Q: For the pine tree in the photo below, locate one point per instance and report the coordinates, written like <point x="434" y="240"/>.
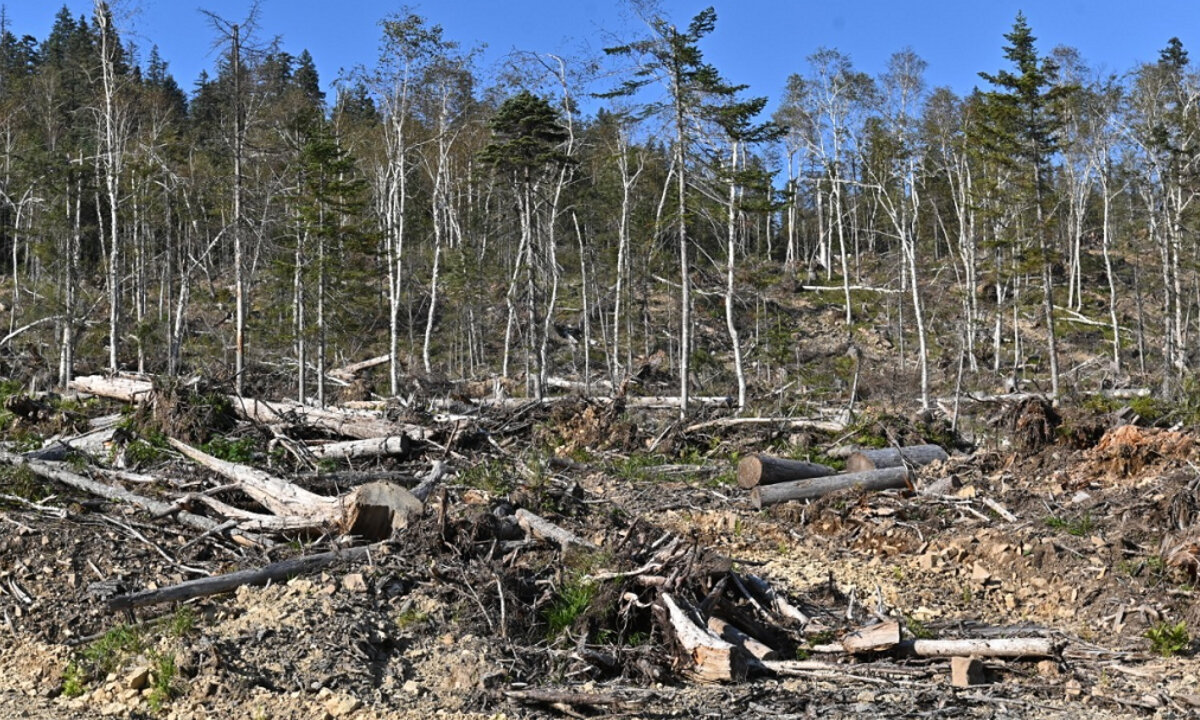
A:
<point x="1022" y="123"/>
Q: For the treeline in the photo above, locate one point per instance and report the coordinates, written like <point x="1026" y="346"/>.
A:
<point x="255" y="228"/>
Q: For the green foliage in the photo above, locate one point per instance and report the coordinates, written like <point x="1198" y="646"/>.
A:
<point x="105" y="654"/>
<point x="1168" y="639"/>
<point x="573" y="600"/>
<point x="635" y="467"/>
<point x="181" y="623"/>
<point x="1078" y="527"/>
<point x="74" y="680"/>
<point x="240" y="450"/>
<point x="22" y="482"/>
<point x="410" y="618"/>
<point x="492" y="476"/>
<point x="163" y="674"/>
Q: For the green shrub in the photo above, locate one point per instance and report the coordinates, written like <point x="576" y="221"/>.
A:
<point x="1167" y="639"/>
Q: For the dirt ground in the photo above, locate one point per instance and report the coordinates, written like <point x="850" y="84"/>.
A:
<point x="1082" y="530"/>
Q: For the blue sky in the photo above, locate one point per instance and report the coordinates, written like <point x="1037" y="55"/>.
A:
<point x="757" y="42"/>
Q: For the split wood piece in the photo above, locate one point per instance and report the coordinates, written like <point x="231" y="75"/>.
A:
<point x="772" y="599"/>
<point x="886" y="479"/>
<point x="119" y="494"/>
<point x="203" y="587"/>
<point x="543" y="529"/>
<point x="711" y="659"/>
<point x="967" y="671"/>
<point x="394" y="446"/>
<point x="760" y="469"/>
<point x="873" y="638"/>
<point x="348" y="372"/>
<point x="731" y="634"/>
<point x="914" y="455"/>
<point x="996" y="648"/>
<point x="830" y="426"/>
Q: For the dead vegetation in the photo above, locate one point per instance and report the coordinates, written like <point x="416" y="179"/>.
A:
<point x="582" y="558"/>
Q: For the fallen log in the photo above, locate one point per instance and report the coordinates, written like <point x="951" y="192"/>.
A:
<point x="275" y="494"/>
<point x="348" y="372"/>
<point x="94" y="443"/>
<point x="394" y="446"/>
<point x="772" y="599"/>
<point x="118" y="494"/>
<point x="886" y="479"/>
<point x="543" y="529"/>
<point x="760" y="469"/>
<point x="351" y="423"/>
<point x="996" y="648"/>
<point x="216" y="584"/>
<point x="914" y="455"/>
<point x="374" y="510"/>
<point x="711" y="659"/>
<point x="831" y="426"/>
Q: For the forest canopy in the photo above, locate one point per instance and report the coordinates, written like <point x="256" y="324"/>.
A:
<point x="656" y="224"/>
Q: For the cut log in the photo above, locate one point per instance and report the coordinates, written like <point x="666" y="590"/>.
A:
<point x="873" y="638"/>
<point x="915" y="455"/>
<point x="710" y="659"/>
<point x="395" y="446"/>
<point x="377" y="510"/>
<point x="733" y="635"/>
<point x="760" y="469"/>
<point x="997" y="648"/>
<point x="203" y="587"/>
<point x="543" y="529"/>
<point x="886" y="479"/>
<point x="373" y="511"/>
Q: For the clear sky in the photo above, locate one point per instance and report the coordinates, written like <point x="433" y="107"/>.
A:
<point x="757" y="42"/>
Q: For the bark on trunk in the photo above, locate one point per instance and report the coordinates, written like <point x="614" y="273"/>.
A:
<point x="886" y="479"/>
<point x="915" y="455"/>
<point x="760" y="469"/>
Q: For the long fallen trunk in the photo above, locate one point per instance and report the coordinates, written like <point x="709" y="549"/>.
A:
<point x="118" y="494"/>
<point x="914" y="455"/>
<point x="202" y="587"/>
<point x="886" y="479"/>
<point x="760" y="469"/>
<point x="275" y="494"/>
<point x="349" y="372"/>
<point x="831" y="426"/>
<point x="374" y="510"/>
<point x="997" y="648"/>
<point x="351" y="423"/>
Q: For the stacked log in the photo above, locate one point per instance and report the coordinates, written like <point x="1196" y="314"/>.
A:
<point x="774" y="480"/>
